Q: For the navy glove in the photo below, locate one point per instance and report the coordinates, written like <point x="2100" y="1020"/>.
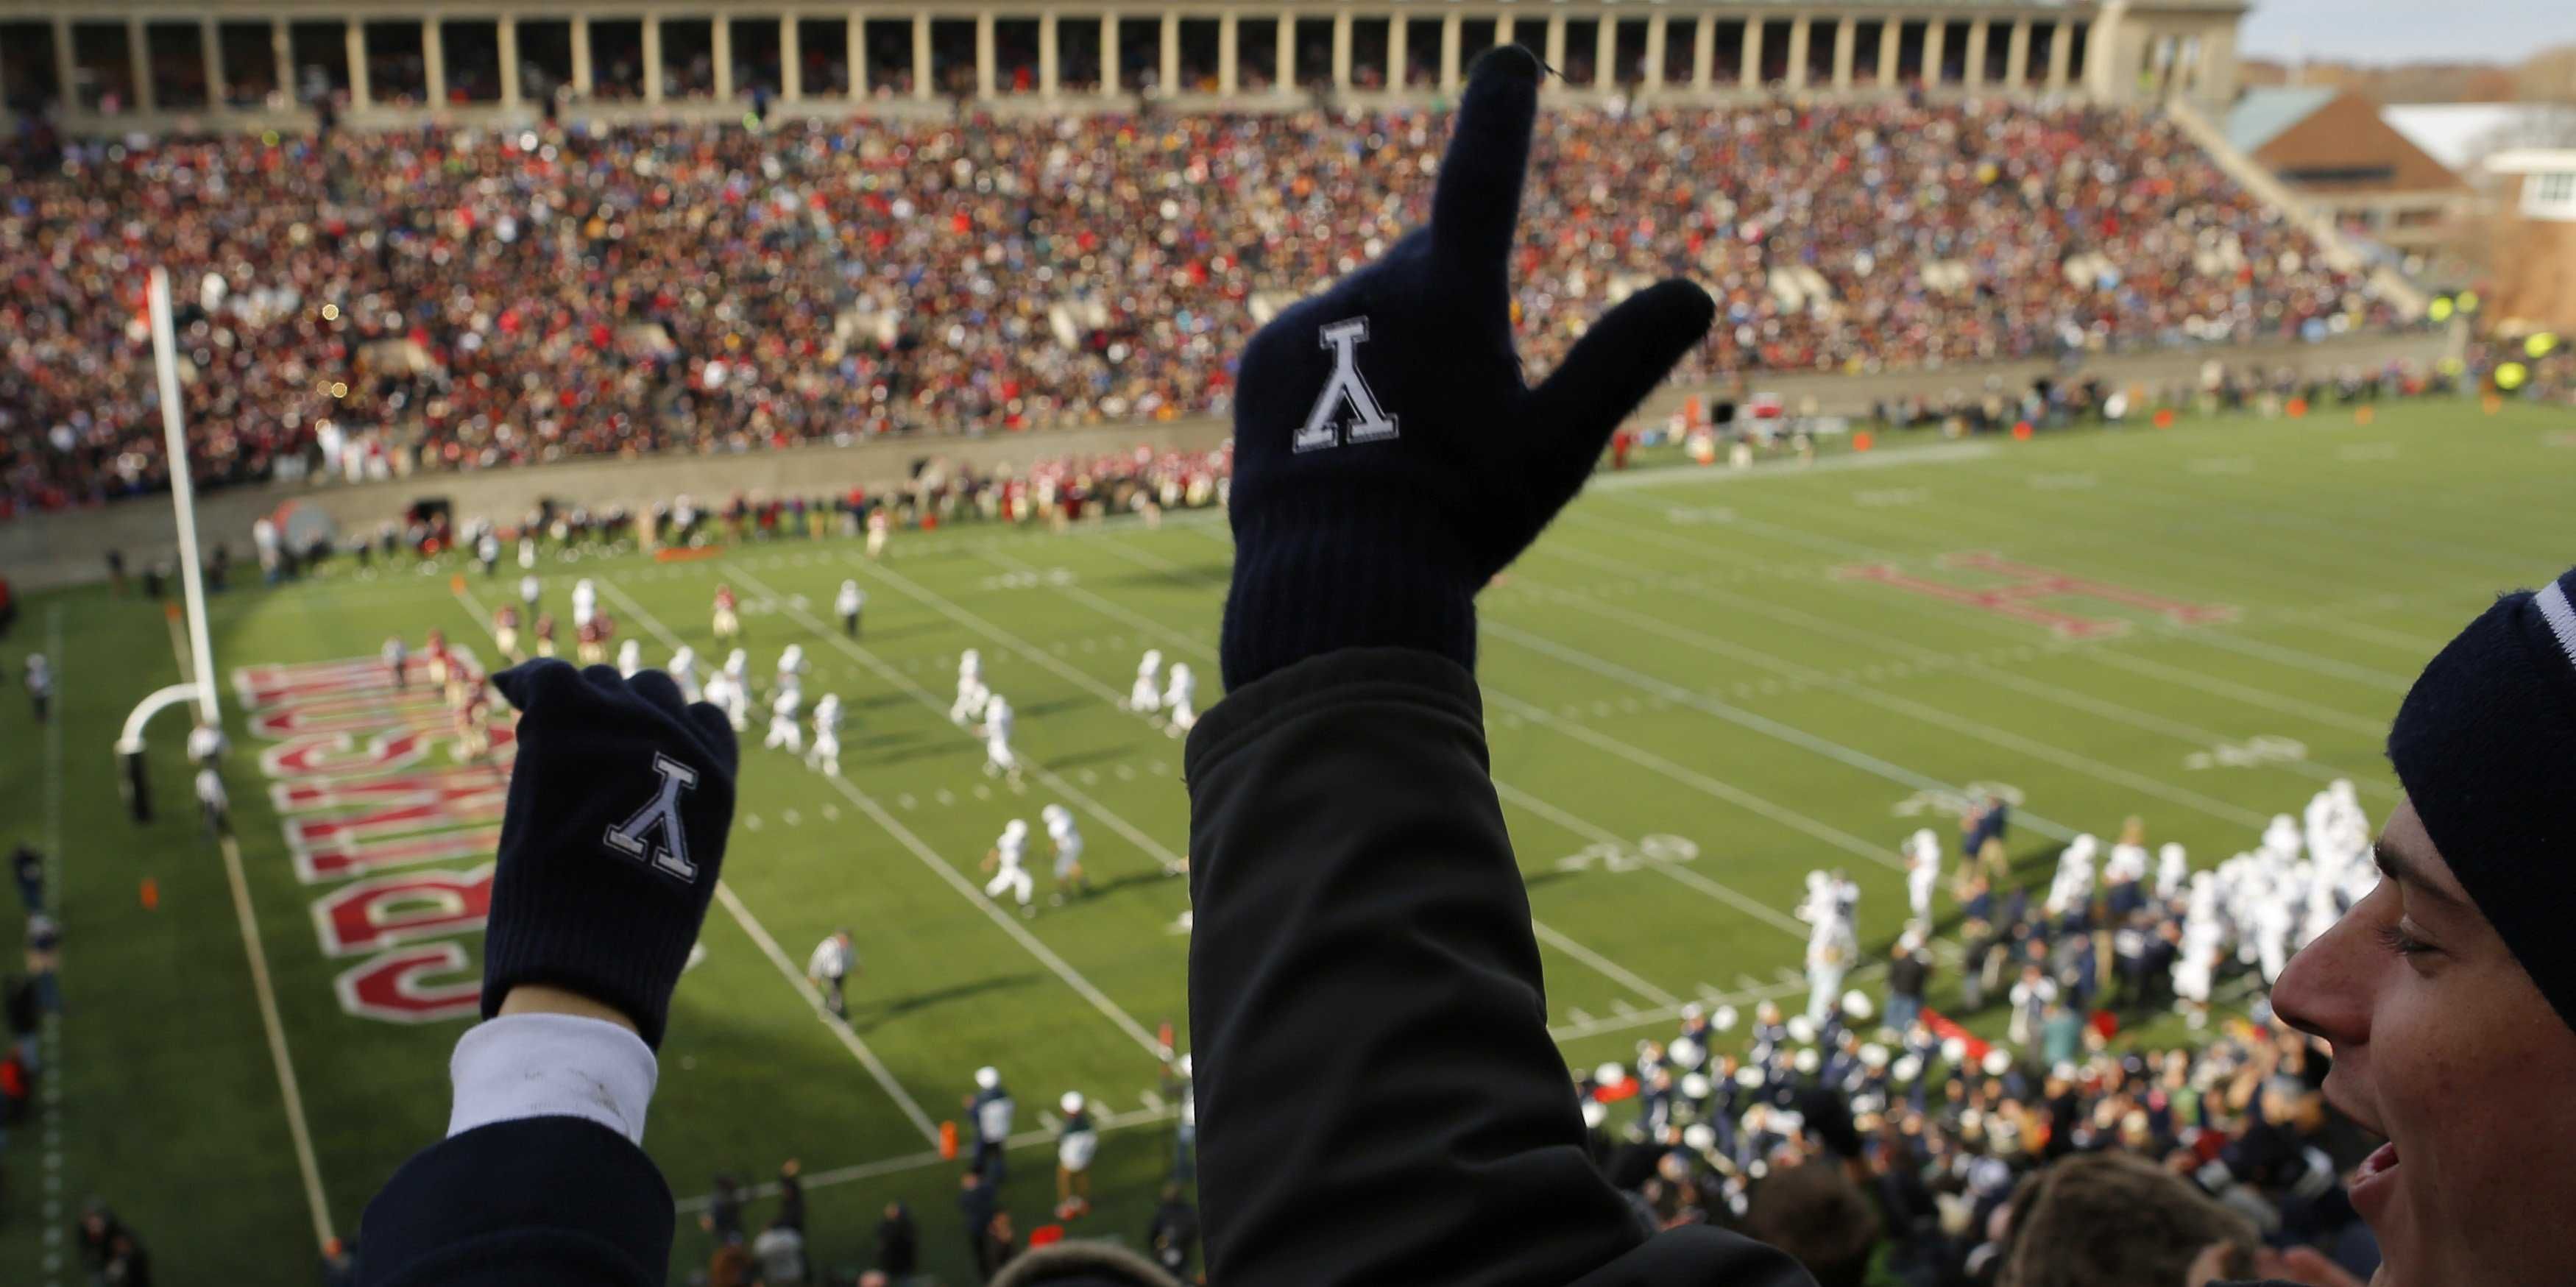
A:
<point x="619" y="805"/>
<point x="1389" y="460"/>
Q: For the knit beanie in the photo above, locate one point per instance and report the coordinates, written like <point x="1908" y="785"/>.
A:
<point x="2485" y="746"/>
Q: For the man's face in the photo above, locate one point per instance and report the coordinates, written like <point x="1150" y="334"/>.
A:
<point x="2443" y="1045"/>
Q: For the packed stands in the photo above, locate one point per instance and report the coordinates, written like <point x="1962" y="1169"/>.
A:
<point x="488" y="299"/>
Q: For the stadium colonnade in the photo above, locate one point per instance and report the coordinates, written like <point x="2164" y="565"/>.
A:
<point x="147" y="65"/>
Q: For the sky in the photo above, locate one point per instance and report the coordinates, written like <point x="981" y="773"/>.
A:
<point x="2386" y="31"/>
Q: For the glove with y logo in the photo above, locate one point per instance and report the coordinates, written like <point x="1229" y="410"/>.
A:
<point x="620" y="800"/>
<point x="1389" y="459"/>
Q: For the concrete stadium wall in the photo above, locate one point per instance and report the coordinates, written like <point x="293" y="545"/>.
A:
<point x="68" y="548"/>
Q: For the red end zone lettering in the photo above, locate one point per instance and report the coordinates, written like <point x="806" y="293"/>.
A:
<point x="390" y="910"/>
<point x="460" y="786"/>
<point x="339" y="755"/>
<point x="2012" y="599"/>
<point x="341" y="859"/>
<point x="393" y="986"/>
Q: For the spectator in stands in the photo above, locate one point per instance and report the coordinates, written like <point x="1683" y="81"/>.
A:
<point x="2111" y="1220"/>
<point x="700" y="287"/>
<point x="1815" y="1213"/>
<point x="898" y="1243"/>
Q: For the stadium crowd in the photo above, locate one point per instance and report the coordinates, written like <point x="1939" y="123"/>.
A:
<point x="463" y="299"/>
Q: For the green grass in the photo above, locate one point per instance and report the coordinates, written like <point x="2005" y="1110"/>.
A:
<point x="1677" y="658"/>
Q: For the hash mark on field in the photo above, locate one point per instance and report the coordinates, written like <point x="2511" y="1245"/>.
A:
<point x="1126" y="772"/>
<point x="1619" y="1006"/>
<point x="1049" y="1121"/>
<point x="905" y="800"/>
<point x="1746" y="983"/>
<point x="1708" y="993"/>
<point x="1601" y="709"/>
<point x="751" y="822"/>
<point x="1158" y="768"/>
<point x="831" y="813"/>
<point x="793" y="818"/>
<point x="1153" y="1102"/>
<point x="945" y="797"/>
<point x="2367" y="451"/>
<point x="1089" y="778"/>
<point x="983" y="792"/>
<point x="1787" y="975"/>
<point x="1578" y="1015"/>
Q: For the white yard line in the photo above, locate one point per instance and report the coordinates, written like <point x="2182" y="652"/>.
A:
<point x="2100" y="652"/>
<point x="850" y="1040"/>
<point x="1932" y="659"/>
<point x="904" y="835"/>
<point x="2085" y="765"/>
<point x="277" y="1052"/>
<point x="52" y="1038"/>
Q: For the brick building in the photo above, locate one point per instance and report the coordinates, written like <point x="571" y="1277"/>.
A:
<point x="2335" y="152"/>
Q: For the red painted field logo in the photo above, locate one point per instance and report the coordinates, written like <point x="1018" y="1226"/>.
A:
<point x="2015" y="597"/>
<point x="369" y="791"/>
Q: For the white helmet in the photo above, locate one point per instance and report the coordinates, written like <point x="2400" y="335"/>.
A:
<point x="1748" y="1077"/>
<point x="987" y="1078"/>
<point x="1906" y="1069"/>
<point x="1954" y="1050"/>
<point x="1801" y="1029"/>
<point x="583" y="585"/>
<point x="1015" y="829"/>
<point x="969" y="659"/>
<point x="1873" y="1056"/>
<point x="683" y="660"/>
<point x="736" y="661"/>
<point x="1695" y="1086"/>
<point x="1610" y="1074"/>
<point x="1807" y="1061"/>
<point x="1699" y="1137"/>
<point x="1998" y="1063"/>
<point x="795" y="653"/>
<point x="1181" y="671"/>
<point x="1071" y="1103"/>
<point x="1153" y="659"/>
<point x="1856" y="1004"/>
<point x="1594" y="1114"/>
<point x="1723" y="1019"/>
<point x="1053" y="812"/>
<point x="848" y="587"/>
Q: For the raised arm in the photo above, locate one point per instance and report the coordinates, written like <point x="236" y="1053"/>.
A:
<point x="1379" y="1100"/>
<point x="620" y="799"/>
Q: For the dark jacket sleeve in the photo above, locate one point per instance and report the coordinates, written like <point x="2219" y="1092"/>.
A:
<point x="1378" y="1098"/>
<point x="546" y="1200"/>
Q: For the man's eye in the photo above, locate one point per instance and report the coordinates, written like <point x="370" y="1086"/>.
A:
<point x="2396" y="939"/>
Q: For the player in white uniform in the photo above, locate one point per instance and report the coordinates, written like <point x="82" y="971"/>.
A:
<point x="850" y="604"/>
<point x="725" y="694"/>
<point x="206" y="744"/>
<point x="971" y="694"/>
<point x="1922" y="873"/>
<point x="784" y="730"/>
<point x="529" y="593"/>
<point x="791" y="666"/>
<point x="1068" y="854"/>
<point x="630" y="658"/>
<point x="2172" y="870"/>
<point x="527" y="552"/>
<point x="585" y="602"/>
<point x="737" y="689"/>
<point x="996" y="729"/>
<point x="2072" y="889"/>
<point x="1832" y="945"/>
<point x="826" y="754"/>
<point x="1145" y="696"/>
<point x="1181" y="698"/>
<point x="1004" y="862"/>
<point x="684" y="672"/>
<point x="878" y="525"/>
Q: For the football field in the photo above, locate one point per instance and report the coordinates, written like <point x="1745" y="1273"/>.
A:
<point x="1699" y="686"/>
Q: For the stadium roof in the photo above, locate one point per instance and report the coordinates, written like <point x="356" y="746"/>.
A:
<point x="2460" y="135"/>
<point x="2262" y="114"/>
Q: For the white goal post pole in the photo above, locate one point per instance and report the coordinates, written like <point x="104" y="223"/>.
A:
<point x="183" y="496"/>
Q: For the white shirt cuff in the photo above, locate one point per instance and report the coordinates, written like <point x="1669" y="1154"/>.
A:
<point x="551" y="1065"/>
